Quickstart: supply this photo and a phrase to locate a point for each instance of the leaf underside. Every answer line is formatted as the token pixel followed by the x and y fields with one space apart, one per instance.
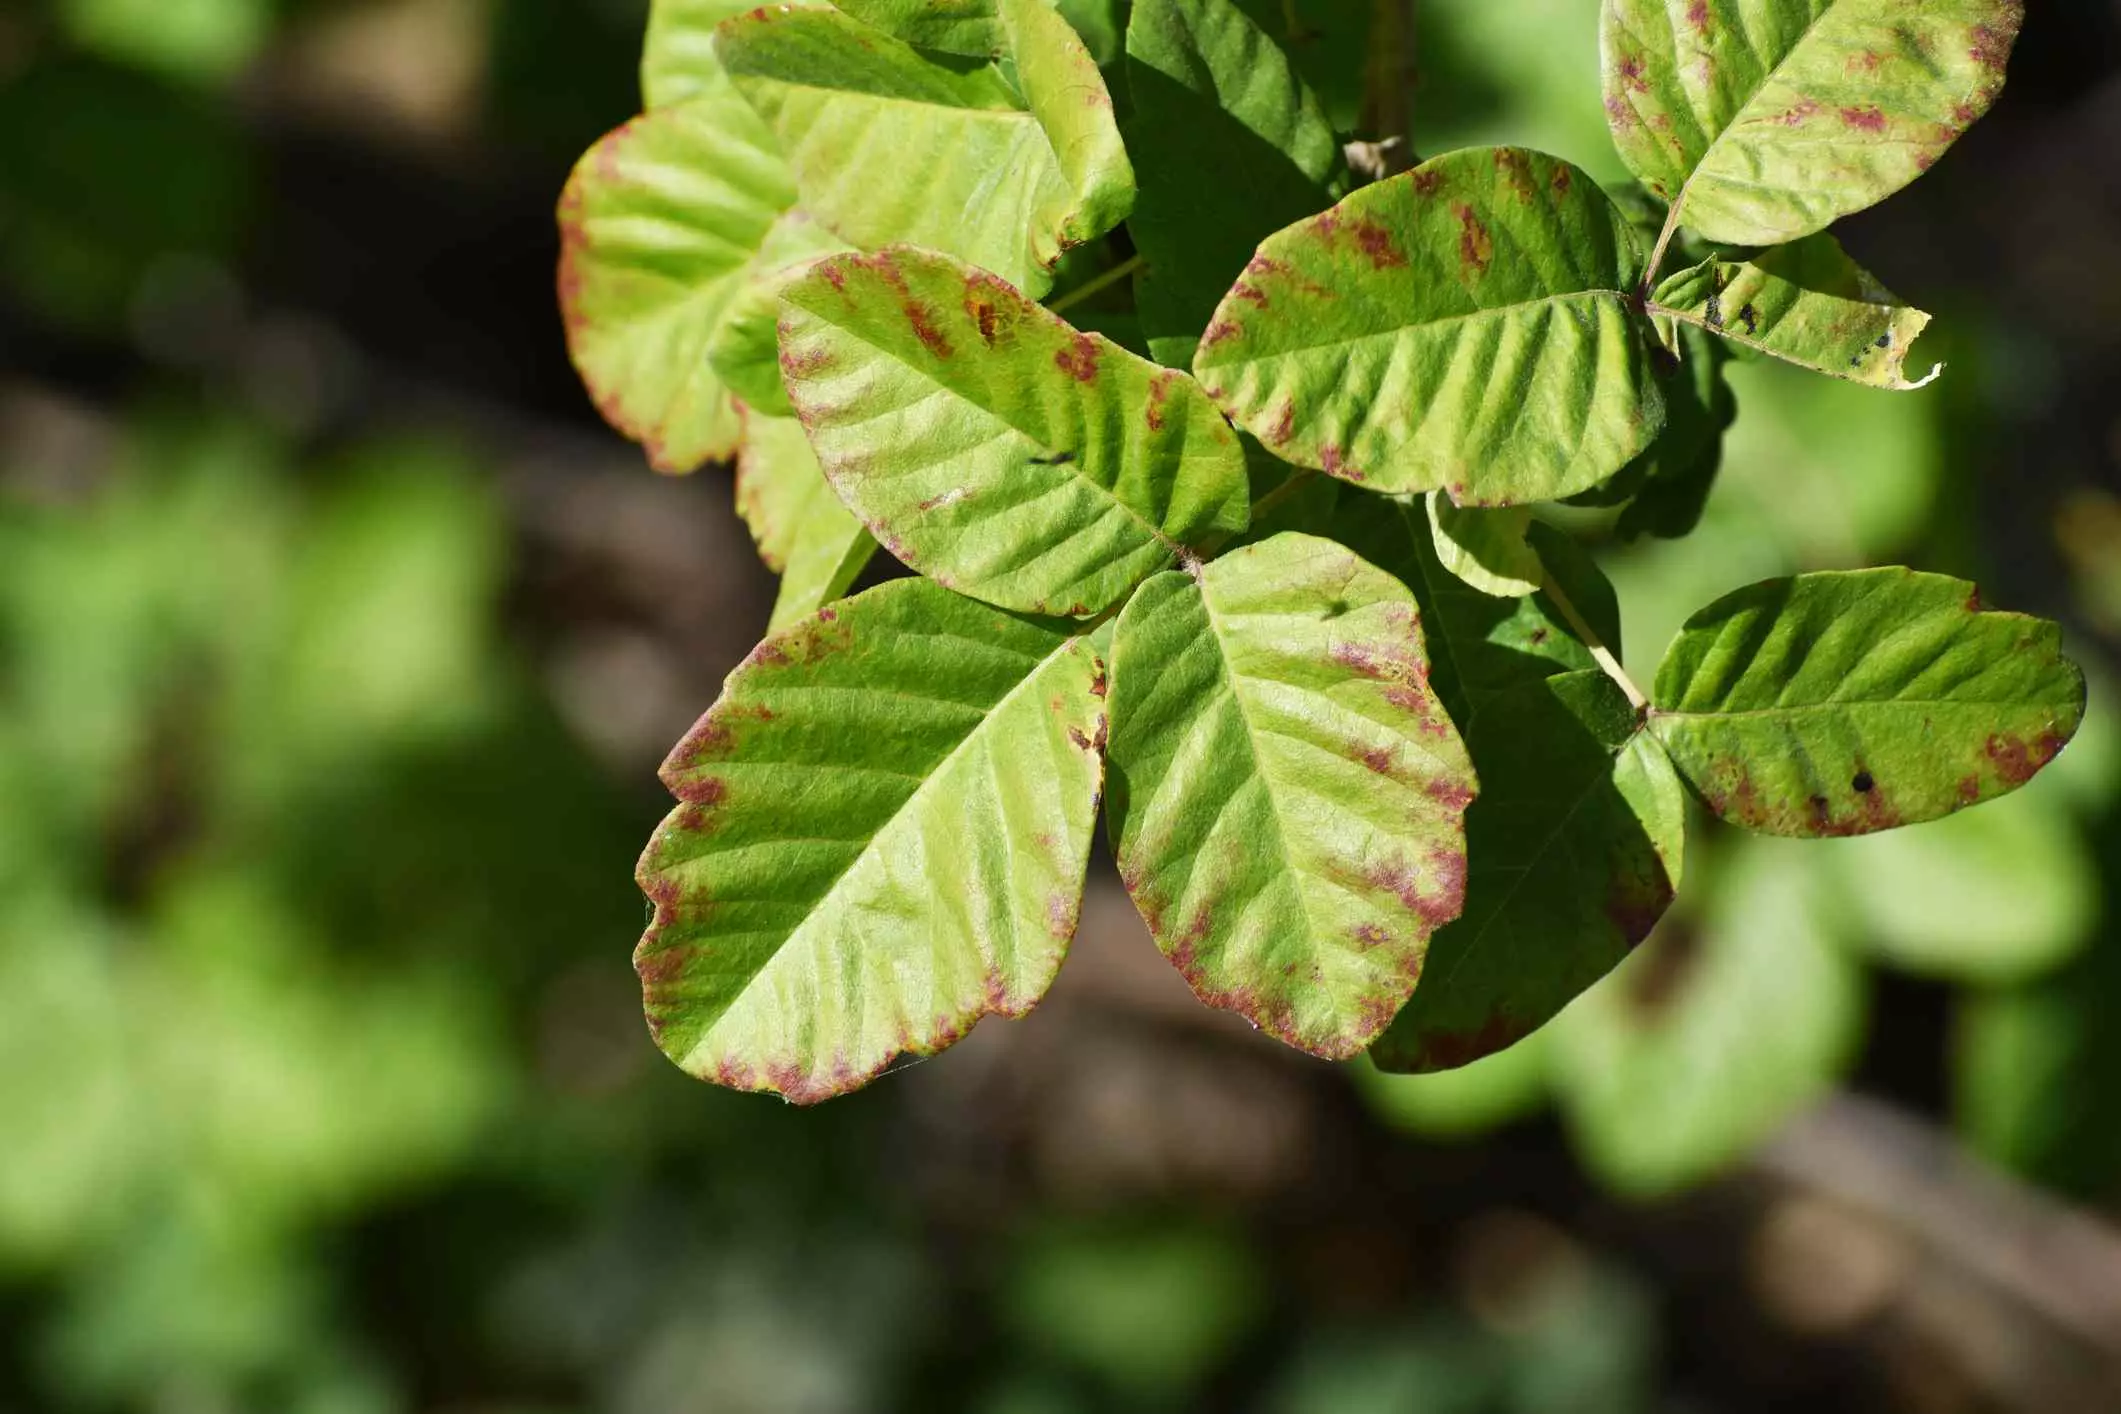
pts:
pixel 1464 326
pixel 1842 703
pixel 1287 795
pixel 991 446
pixel 884 827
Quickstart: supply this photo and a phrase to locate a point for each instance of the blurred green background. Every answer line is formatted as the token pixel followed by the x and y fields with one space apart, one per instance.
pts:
pixel 338 642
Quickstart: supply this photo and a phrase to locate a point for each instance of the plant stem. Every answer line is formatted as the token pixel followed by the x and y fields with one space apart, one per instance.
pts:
pixel 1091 286
pixel 1600 654
pixel 1261 509
pixel 1664 242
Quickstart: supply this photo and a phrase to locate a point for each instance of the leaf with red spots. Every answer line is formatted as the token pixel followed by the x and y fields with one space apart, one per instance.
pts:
pixel 1229 144
pixel 1765 120
pixel 994 448
pixel 1007 166
pixel 1577 839
pixel 1839 704
pixel 883 827
pixel 659 227
pixel 1806 303
pixel 1466 326
pixel 1287 793
pixel 803 532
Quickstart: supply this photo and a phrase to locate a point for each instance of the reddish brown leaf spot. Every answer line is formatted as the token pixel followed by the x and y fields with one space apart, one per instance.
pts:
pixel 1697 18
pixel 1284 425
pixel 1619 115
pixel 1510 166
pixel 1078 360
pixel 1451 795
pixel 1060 922
pixel 1869 120
pixel 1969 789
pixel 1376 242
pixel 1798 115
pixel 1329 460
pixel 1426 182
pixel 1249 293
pixel 1159 390
pixel 1220 330
pixel 1990 47
pixel 923 321
pixel 2018 761
pixel 1475 247
pixel 1378 759
pixel 981 314
pixel 1562 179
pixel 1081 740
pixel 1370 935
pixel 1098 683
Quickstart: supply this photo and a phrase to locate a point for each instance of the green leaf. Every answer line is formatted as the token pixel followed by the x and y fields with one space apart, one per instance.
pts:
pixel 1469 1101
pixel 1838 704
pixel 803 532
pixel 1709 1038
pixel 1576 838
pixel 885 823
pixel 1989 896
pixel 1287 794
pixel 1576 845
pixel 890 144
pixel 1679 470
pixel 1486 548
pixel 677 53
pixel 970 28
pixel 659 226
pixel 1766 120
pixel 1807 303
pixel 992 447
pixel 1464 326
pixel 1229 145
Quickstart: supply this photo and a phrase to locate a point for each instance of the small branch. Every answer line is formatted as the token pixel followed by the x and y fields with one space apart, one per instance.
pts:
pixel 1664 243
pixel 1600 654
pixel 1096 283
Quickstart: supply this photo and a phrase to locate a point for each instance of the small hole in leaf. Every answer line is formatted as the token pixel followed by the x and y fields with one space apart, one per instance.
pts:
pixel 1863 782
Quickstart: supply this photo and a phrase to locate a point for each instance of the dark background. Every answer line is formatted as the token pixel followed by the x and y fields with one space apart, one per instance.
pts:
pixel 338 643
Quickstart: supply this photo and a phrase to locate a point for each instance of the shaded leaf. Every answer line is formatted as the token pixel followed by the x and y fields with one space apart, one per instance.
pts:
pixel 1838 704
pixel 992 447
pixel 1464 326
pixel 1674 477
pixel 1765 120
pixel 1576 845
pixel 1485 548
pixel 1805 302
pixel 803 532
pixel 885 822
pixel 1287 794
pixel 888 143
pixel 1229 146
pixel 659 225
pixel 744 349
pixel 1709 1038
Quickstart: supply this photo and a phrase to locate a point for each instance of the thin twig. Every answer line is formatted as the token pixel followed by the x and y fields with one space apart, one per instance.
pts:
pixel 1102 281
pixel 1600 654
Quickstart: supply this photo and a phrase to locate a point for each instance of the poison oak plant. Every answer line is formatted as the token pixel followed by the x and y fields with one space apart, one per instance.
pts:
pixel 1258 564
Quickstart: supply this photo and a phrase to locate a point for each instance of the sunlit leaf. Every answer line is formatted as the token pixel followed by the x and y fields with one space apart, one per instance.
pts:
pixel 1229 146
pixel 1713 1034
pixel 890 144
pixel 1765 120
pixel 1838 704
pixel 659 226
pixel 991 446
pixel 1485 548
pixel 1805 302
pixel 884 826
pixel 1287 795
pixel 802 530
pixel 1464 326
pixel 968 27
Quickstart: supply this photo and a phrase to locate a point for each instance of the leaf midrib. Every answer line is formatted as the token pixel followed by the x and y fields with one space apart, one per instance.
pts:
pixel 915 796
pixel 1495 311
pixel 1746 108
